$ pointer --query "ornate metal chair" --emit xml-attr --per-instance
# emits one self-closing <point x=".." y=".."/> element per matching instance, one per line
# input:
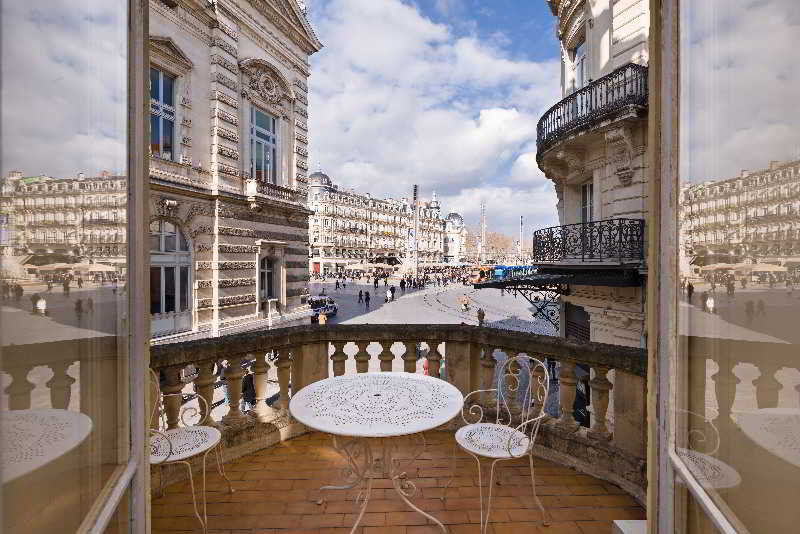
<point x="180" y="445"/>
<point x="519" y="401"/>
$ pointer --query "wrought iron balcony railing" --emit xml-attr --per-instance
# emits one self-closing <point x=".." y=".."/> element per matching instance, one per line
<point x="625" y="87"/>
<point x="619" y="240"/>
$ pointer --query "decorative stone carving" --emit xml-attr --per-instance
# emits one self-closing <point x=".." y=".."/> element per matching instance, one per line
<point x="239" y="249"/>
<point x="300" y="137"/>
<point x="239" y="232"/>
<point x="224" y="45"/>
<point x="186" y="140"/>
<point x="224" y="80"/>
<point x="203" y="247"/>
<point x="205" y="303"/>
<point x="167" y="207"/>
<point x="301" y="85"/>
<point x="302" y="112"/>
<point x="224" y="133"/>
<point x="228" y="152"/>
<point x="236" y="265"/>
<point x="186" y="121"/>
<point x="619" y="149"/>
<point x="302" y="125"/>
<point x="237" y="300"/>
<point x="302" y="99"/>
<point x="227" y="30"/>
<point x="202" y="229"/>
<point x="205" y="284"/>
<point x="203" y="265"/>
<point x="195" y="210"/>
<point x="186" y="102"/>
<point x="302" y="164"/>
<point x="300" y="150"/>
<point x="265" y="81"/>
<point x="224" y="98"/>
<point x="224" y="115"/>
<point x="217" y="59"/>
<point x="227" y="169"/>
<point x="236" y="282"/>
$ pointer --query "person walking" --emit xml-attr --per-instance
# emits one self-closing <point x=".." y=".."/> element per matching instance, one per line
<point x="34" y="300"/>
<point x="749" y="311"/>
<point x="388" y="295"/>
<point x="360" y="296"/>
<point x="375" y="283"/>
<point x="366" y="300"/>
<point x="18" y="291"/>
<point x="65" y="287"/>
<point x="79" y="309"/>
<point x="689" y="292"/>
<point x="337" y="284"/>
<point x="323" y="319"/>
<point x="481" y="316"/>
<point x="392" y="290"/>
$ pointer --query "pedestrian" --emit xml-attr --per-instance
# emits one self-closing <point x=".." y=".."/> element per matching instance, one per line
<point x="337" y="284"/>
<point x="18" y="291"/>
<point x="79" y="309"/>
<point x="344" y="283"/>
<point x="392" y="290"/>
<point x="366" y="300"/>
<point x="323" y="319"/>
<point x="248" y="392"/>
<point x="65" y="286"/>
<point x="710" y="303"/>
<point x="385" y="281"/>
<point x="360" y="296"/>
<point x="749" y="311"/>
<point x="41" y="306"/>
<point x="375" y="283"/>
<point x="34" y="300"/>
<point x="481" y="316"/>
<point x="689" y="292"/>
<point x="761" y="308"/>
<point x="388" y="295"/>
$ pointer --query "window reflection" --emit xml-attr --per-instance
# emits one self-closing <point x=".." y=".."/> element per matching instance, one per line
<point x="738" y="409"/>
<point x="63" y="259"/>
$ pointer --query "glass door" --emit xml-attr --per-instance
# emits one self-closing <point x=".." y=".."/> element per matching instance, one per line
<point x="72" y="427"/>
<point x="730" y="371"/>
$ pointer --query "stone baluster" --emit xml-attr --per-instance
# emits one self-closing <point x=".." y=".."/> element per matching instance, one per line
<point x="60" y="385"/>
<point x="386" y="356"/>
<point x="600" y="388"/>
<point x="19" y="391"/>
<point x="537" y="389"/>
<point x="338" y="357"/>
<point x="567" y="392"/>
<point x="410" y="357"/>
<point x="767" y="386"/>
<point x="434" y="358"/>
<point x="488" y="364"/>
<point x="204" y="386"/>
<point x="233" y="376"/>
<point x="284" y="364"/>
<point x="172" y="399"/>
<point x="260" y="371"/>
<point x="362" y="357"/>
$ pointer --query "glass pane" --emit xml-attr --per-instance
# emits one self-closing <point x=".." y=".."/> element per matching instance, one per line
<point x="273" y="178"/>
<point x="166" y="139"/>
<point x="259" y="157"/>
<point x="169" y="289"/>
<point x="65" y="97"/>
<point x="155" y="87"/>
<point x="155" y="289"/>
<point x="262" y="120"/>
<point x="155" y="135"/>
<point x="738" y="413"/>
<point x="184" y="245"/>
<point x="184" y="288"/>
<point x="155" y="242"/>
<point x="168" y="90"/>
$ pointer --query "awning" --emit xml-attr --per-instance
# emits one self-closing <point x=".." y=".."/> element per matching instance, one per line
<point x="608" y="278"/>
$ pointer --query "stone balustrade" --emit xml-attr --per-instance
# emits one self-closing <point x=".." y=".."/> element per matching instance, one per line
<point x="300" y="355"/>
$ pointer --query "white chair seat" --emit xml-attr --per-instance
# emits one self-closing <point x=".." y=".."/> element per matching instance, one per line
<point x="492" y="441"/>
<point x="186" y="442"/>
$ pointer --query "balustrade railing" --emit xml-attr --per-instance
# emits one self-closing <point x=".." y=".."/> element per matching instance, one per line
<point x="279" y="192"/>
<point x="623" y="88"/>
<point x="619" y="240"/>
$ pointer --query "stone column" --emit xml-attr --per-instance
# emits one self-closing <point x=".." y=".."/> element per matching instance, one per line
<point x="204" y="386"/>
<point x="19" y="391"/>
<point x="284" y="365"/>
<point x="362" y="357"/>
<point x="172" y="402"/>
<point x="567" y="391"/>
<point x="630" y="428"/>
<point x="261" y="411"/>
<point x="410" y="357"/>
<point x="600" y="387"/>
<point x="434" y="358"/>
<point x="386" y="356"/>
<point x="233" y="376"/>
<point x="60" y="385"/>
<point x="339" y="357"/>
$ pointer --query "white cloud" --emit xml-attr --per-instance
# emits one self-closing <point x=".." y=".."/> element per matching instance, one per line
<point x="397" y="99"/>
<point x="64" y="87"/>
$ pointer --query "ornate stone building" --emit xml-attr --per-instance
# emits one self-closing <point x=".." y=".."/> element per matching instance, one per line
<point x="455" y="240"/>
<point x="593" y="144"/>
<point x="750" y="218"/>
<point x="229" y="138"/>
<point x="51" y="220"/>
<point x="350" y="228"/>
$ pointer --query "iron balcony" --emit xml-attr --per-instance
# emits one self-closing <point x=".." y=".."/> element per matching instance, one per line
<point x="609" y="240"/>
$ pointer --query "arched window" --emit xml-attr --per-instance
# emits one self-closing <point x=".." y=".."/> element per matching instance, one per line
<point x="170" y="260"/>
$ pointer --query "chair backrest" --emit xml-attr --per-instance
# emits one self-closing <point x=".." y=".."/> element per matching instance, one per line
<point x="158" y="415"/>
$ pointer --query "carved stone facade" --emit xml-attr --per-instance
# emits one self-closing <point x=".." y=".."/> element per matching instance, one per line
<point x="598" y="163"/>
<point x="227" y="59"/>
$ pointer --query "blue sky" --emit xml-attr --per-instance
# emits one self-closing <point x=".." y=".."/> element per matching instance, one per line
<point x="443" y="93"/>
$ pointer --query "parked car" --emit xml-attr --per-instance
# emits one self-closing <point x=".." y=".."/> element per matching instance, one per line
<point x="322" y="305"/>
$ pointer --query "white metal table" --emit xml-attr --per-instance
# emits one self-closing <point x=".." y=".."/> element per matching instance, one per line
<point x="33" y="438"/>
<point x="372" y="410"/>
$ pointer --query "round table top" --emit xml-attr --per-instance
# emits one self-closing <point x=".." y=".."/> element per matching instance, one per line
<point x="775" y="429"/>
<point x="376" y="404"/>
<point x="710" y="472"/>
<point x="30" y="439"/>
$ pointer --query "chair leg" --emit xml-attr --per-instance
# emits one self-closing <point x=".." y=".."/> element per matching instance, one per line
<point x="221" y="469"/>
<point x="485" y="525"/>
<point x="194" y="496"/>
<point x="536" y="497"/>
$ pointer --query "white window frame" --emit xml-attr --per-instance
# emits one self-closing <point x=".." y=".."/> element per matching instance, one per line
<point x="269" y="141"/>
<point x="163" y="112"/>
<point x="177" y="259"/>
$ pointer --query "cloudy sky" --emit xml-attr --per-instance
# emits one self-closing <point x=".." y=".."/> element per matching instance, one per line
<point x="442" y="93"/>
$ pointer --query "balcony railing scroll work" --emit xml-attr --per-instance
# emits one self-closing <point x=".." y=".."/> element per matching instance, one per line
<point x="624" y="89"/>
<point x="609" y="240"/>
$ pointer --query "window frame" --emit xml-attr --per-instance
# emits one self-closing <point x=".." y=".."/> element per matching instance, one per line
<point x="163" y="112"/>
<point x="270" y="141"/>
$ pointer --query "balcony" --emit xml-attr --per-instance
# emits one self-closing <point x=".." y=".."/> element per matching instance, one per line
<point x="610" y="240"/>
<point x="622" y="91"/>
<point x="585" y="476"/>
<point x="278" y="192"/>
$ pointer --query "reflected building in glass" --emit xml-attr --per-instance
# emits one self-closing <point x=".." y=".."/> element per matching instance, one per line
<point x="229" y="155"/>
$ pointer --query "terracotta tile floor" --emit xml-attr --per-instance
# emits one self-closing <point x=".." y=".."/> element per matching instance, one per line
<point x="276" y="492"/>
